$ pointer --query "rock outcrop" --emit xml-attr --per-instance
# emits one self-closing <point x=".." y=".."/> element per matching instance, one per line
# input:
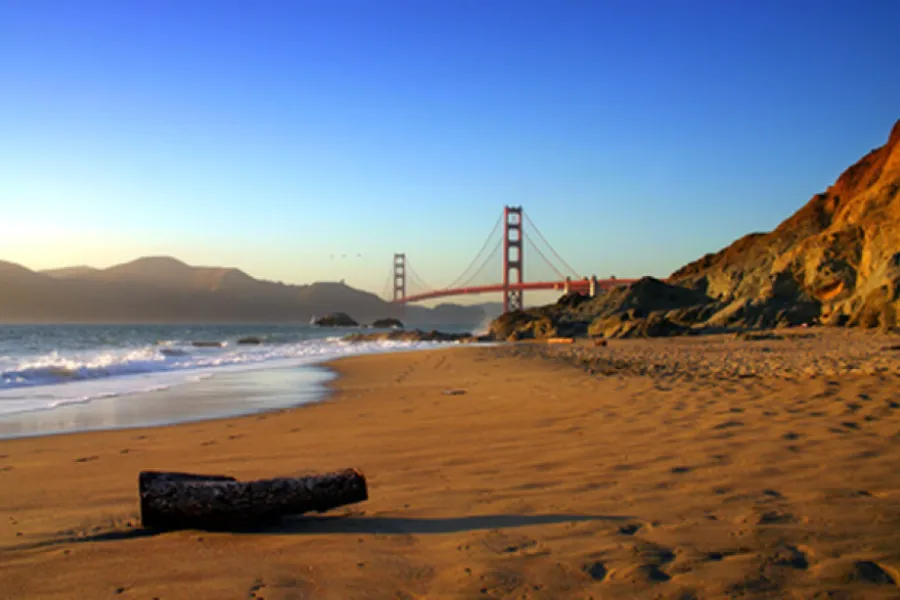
<point x="338" y="319"/>
<point x="647" y="308"/>
<point x="836" y="260"/>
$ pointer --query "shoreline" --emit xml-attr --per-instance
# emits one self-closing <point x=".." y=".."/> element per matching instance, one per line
<point x="313" y="378"/>
<point x="162" y="407"/>
<point x="499" y="472"/>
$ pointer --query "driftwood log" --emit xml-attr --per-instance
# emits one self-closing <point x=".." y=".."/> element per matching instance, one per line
<point x="188" y="501"/>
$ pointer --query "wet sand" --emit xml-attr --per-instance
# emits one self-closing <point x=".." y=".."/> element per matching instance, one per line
<point x="696" y="468"/>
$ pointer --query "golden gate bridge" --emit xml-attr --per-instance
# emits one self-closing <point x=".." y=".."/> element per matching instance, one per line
<point x="512" y="244"/>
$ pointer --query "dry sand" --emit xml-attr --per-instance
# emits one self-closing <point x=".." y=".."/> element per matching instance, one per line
<point x="700" y="468"/>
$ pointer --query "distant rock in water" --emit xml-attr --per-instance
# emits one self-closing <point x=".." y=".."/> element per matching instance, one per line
<point x="387" y="323"/>
<point x="337" y="319"/>
<point x="415" y="335"/>
<point x="172" y="352"/>
<point x="249" y="341"/>
<point x="207" y="344"/>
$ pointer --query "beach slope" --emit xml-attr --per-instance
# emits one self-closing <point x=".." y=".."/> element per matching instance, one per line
<point x="697" y="468"/>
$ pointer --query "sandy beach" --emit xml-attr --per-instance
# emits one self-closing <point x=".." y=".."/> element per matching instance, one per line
<point x="708" y="467"/>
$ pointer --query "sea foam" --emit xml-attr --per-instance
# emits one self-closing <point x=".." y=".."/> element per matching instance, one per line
<point x="55" y="379"/>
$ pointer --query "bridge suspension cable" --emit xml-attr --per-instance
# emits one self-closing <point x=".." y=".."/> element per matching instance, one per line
<point x="487" y="241"/>
<point x="487" y="259"/>
<point x="541" y="254"/>
<point x="417" y="279"/>
<point x="386" y="290"/>
<point x="555" y="253"/>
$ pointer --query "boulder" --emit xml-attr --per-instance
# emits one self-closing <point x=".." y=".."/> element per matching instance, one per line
<point x="522" y="325"/>
<point x="632" y="325"/>
<point x="249" y="341"/>
<point x="337" y="319"/>
<point x="572" y="300"/>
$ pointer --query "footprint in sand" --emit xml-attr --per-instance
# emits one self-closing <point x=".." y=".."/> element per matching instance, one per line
<point x="500" y="583"/>
<point x="649" y="558"/>
<point x="720" y="555"/>
<point x="283" y="587"/>
<point x="596" y="570"/>
<point x="846" y="571"/>
<point x="501" y="543"/>
<point x="774" y="517"/>
<point x="790" y="556"/>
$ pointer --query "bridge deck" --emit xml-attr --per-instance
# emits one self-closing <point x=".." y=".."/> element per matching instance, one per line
<point x="575" y="285"/>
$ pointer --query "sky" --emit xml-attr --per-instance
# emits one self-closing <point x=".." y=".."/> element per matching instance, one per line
<point x="309" y="140"/>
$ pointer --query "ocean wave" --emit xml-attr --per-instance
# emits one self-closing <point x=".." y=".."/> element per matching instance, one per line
<point x="55" y="379"/>
<point x="56" y="368"/>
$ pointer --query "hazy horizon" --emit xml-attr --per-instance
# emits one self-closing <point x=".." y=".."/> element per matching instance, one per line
<point x="305" y="142"/>
<point x="532" y="299"/>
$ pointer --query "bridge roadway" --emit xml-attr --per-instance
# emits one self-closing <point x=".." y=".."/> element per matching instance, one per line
<point x="582" y="286"/>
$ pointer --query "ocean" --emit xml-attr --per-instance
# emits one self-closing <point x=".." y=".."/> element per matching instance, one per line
<point x="68" y="378"/>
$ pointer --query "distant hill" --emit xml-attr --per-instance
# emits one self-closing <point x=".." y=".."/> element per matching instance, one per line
<point x="68" y="272"/>
<point x="172" y="273"/>
<point x="164" y="289"/>
<point x="491" y="309"/>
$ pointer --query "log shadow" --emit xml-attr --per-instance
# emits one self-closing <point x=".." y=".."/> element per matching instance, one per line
<point x="302" y="525"/>
<point x="106" y="536"/>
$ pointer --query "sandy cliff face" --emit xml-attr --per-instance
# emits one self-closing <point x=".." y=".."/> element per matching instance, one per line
<point x="838" y="256"/>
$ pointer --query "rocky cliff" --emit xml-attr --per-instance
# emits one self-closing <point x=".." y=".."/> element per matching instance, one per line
<point x="835" y="261"/>
<point x="837" y="258"/>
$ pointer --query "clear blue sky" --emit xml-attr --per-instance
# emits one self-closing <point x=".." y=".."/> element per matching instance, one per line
<point x="272" y="135"/>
